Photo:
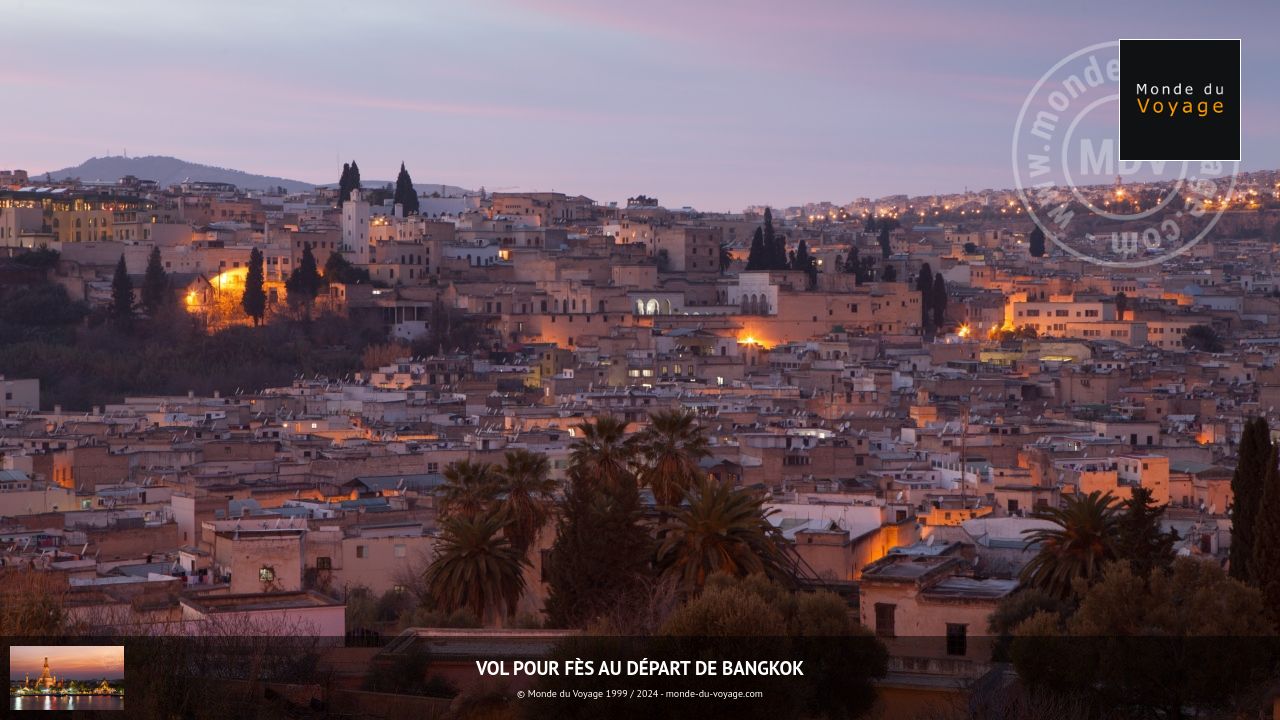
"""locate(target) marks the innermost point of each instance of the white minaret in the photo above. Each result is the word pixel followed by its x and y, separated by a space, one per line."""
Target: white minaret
pixel 355 229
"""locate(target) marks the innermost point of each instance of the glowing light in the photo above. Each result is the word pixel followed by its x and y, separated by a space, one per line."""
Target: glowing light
pixel 964 331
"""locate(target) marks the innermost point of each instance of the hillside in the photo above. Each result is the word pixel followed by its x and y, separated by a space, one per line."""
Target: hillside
pixel 170 171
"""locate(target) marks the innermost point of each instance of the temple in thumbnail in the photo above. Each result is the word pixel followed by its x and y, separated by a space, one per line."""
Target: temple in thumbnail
pixel 46 681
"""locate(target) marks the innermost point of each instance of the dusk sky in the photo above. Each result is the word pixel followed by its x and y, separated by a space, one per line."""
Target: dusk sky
pixel 73 662
pixel 712 104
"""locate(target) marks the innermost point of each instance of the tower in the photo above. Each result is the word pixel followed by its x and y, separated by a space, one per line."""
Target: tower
pixel 46 680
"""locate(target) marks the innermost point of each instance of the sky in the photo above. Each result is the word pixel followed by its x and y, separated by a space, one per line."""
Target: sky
pixel 707 103
pixel 71 662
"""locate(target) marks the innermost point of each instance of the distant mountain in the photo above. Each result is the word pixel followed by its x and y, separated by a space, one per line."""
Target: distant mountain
pixel 170 171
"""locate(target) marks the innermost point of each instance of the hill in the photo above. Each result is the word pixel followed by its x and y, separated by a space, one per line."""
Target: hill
pixel 168 171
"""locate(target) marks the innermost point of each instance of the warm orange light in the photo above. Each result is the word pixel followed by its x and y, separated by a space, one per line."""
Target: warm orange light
pixel 964 331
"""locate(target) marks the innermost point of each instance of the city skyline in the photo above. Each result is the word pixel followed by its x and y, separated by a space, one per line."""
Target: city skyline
pixel 824 102
pixel 69 662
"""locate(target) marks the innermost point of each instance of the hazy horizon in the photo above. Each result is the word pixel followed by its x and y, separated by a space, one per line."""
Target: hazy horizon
pixel 687 102
pixel 70 662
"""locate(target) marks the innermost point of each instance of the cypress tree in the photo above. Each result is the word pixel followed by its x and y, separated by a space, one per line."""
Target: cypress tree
pixel 924 280
pixel 781 258
pixel 405 195
pixel 1140 541
pixel 601 555
pixel 344 183
pixel 1265 564
pixel 889 274
pixel 121 307
pixel 939 300
pixel 775 247
pixel 355 177
pixel 254 300
pixel 304 282
pixel 756 259
pixel 924 285
pixel 802 259
pixel 1246 488
pixel 1036 242
pixel 885 249
pixel 155 284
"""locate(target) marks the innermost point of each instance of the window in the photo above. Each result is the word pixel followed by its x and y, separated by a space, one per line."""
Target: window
pixel 957 639
pixel 360 551
pixel 884 619
pixel 267 574
pixel 324 563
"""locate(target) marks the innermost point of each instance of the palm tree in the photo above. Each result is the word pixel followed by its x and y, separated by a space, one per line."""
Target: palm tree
pixel 469 488
pixel 602 454
pixel 476 566
pixel 526 495
pixel 671 447
pixel 720 529
pixel 1083 541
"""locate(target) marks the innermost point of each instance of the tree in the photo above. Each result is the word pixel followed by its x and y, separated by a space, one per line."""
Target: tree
pixel 1035 242
pixel 337 269
pixel 406 196
pixel 885 248
pixel 254 300
pixel 671 448
pixel 802 261
pixel 1140 540
pixel 726 258
pixel 344 183
pixel 938 299
pixel 721 529
pixel 924 280
pixel 602 555
pixel 526 496
pixel 476 567
pixel 1122 302
pixel 1190 637
pixel 970 249
pixel 1246 489
pixel 924 285
pixel 1266 541
pixel 756 258
pixel 304 282
pixel 1203 338
pixel 469 488
pixel 155 284
pixel 889 274
pixel 775 246
pixel 41 256
pixel 121 307
pixel 753 616
pixel 349 181
pixel 602 455
pixel 1083 541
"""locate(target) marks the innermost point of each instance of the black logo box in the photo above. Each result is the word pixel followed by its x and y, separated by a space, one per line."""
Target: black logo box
pixel 1186 65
